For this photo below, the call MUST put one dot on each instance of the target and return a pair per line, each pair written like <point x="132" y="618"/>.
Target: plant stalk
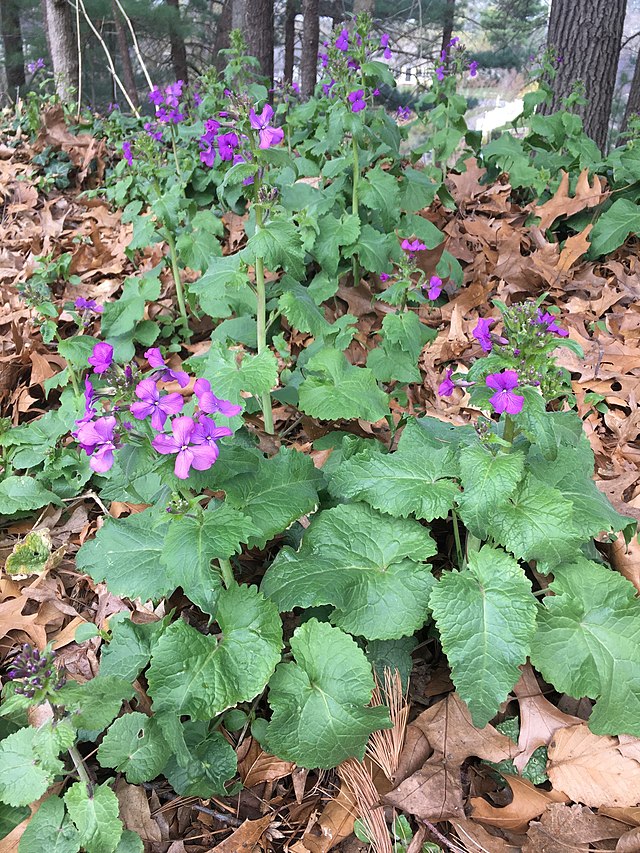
<point x="261" y="320"/>
<point x="78" y="763"/>
<point x="175" y="269"/>
<point x="456" y="536"/>
<point x="508" y="434"/>
<point x="226" y="571"/>
<point x="72" y="374"/>
<point x="355" y="266"/>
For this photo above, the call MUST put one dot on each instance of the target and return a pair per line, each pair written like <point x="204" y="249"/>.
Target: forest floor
<point x="281" y="807"/>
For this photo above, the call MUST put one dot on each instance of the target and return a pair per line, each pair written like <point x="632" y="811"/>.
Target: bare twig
<point x="136" y="47"/>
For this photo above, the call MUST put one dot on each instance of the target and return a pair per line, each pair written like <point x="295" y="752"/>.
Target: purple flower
<point x="443" y="56"/>
<point x="197" y="98"/>
<point x="268" y="135"/>
<point x="504" y="400"/>
<point x="384" y="40"/>
<point x="189" y="452"/>
<point x="226" y="144"/>
<point x="342" y="42"/>
<point x="206" y="433"/>
<point x="153" y="404"/>
<point x="413" y="246"/>
<point x="482" y="333"/>
<point x="295" y="87"/>
<point x="112" y="107"/>
<point x="155" y="359"/>
<point x="32" y="67"/>
<point x="89" y="409"/>
<point x="327" y="87"/>
<point x="375" y="92"/>
<point x="473" y="69"/>
<point x="353" y="65"/>
<point x="88" y="305"/>
<point x="98" y="441"/>
<point x="548" y="320"/>
<point x="173" y="93"/>
<point x="153" y="130"/>
<point x="441" y="73"/>
<point x="324" y="59"/>
<point x="101" y="357"/>
<point x="357" y="100"/>
<point x="454" y="41"/>
<point x="126" y="150"/>
<point x="211" y="127"/>
<point x="210" y="404"/>
<point x="384" y="276"/>
<point x="404" y="112"/>
<point x="446" y="387"/>
<point x="435" y="287"/>
<point x="208" y="155"/>
<point x="156" y="96"/>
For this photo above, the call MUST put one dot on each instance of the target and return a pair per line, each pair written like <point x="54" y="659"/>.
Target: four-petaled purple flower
<point x="191" y="451"/>
<point x="101" y="357"/>
<point x="435" y="287"/>
<point x="412" y="246"/>
<point x="153" y="404"/>
<point x="504" y="400"/>
<point x="441" y="72"/>
<point x="269" y="136"/>
<point x="32" y="67"/>
<point x="88" y="305"/>
<point x="482" y="333"/>
<point x="126" y="150"/>
<point x="97" y="439"/>
<point x="384" y="276"/>
<point x="206" y="433"/>
<point x="403" y="112"/>
<point x="342" y="42"/>
<point x="548" y="320"/>
<point x="227" y="142"/>
<point x="324" y="59"/>
<point x="473" y="69"/>
<point x="446" y="387"/>
<point x="155" y="359"/>
<point x="211" y="404"/>
<point x="357" y="100"/>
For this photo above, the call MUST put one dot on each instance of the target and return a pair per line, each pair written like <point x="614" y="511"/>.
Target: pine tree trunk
<point x="633" y="104"/>
<point x="586" y="36"/>
<point x="63" y="48"/>
<point x="289" y="39"/>
<point x="222" y="33"/>
<point x="259" y="34"/>
<point x="125" y="57"/>
<point x="12" y="43"/>
<point x="447" y="23"/>
<point x="178" y="50"/>
<point x="238" y="14"/>
<point x="364" y="6"/>
<point x="310" y="41"/>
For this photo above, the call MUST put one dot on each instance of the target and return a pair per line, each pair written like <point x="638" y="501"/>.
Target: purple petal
<point x="182" y="428"/>
<point x="171" y="403"/>
<point x="184" y="460"/>
<point x="164" y="444"/>
<point x="158" y="418"/>
<point x="204" y="456"/>
<point x="142" y="410"/>
<point x="154" y="357"/>
<point x="147" y="390"/>
<point x="102" y="459"/>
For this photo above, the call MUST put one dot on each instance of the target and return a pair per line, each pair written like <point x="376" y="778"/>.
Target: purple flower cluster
<point x="34" y="671"/>
<point x="88" y="305"/>
<point x="167" y="102"/>
<point x="268" y="135"/>
<point x="357" y="101"/>
<point x="226" y="144"/>
<point x="32" y="67"/>
<point x="192" y="439"/>
<point x="549" y="321"/>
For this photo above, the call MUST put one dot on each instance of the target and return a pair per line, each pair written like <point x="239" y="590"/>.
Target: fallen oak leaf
<point x="245" y="837"/>
<point x="566" y="829"/>
<point x="477" y="839"/>
<point x="562" y="204"/>
<point x="334" y="824"/>
<point x="432" y="793"/>
<point x="574" y="248"/>
<point x="528" y="803"/>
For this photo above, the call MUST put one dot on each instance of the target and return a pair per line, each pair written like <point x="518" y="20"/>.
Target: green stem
<point x="354" y="206"/>
<point x="72" y="374"/>
<point x="175" y="269"/>
<point x="261" y="319"/>
<point x="175" y="152"/>
<point x="78" y="762"/>
<point x="456" y="536"/>
<point x="226" y="571"/>
<point x="509" y="430"/>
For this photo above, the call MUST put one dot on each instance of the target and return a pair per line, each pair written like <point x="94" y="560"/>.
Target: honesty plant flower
<point x="412" y="246"/>
<point x="473" y="69"/>
<point x="435" y="287"/>
<point x="454" y="41"/>
<point x="404" y="112"/>
<point x="191" y="452"/>
<point x="32" y="67"/>
<point x="206" y="433"/>
<point x="152" y="130"/>
<point x="88" y="305"/>
<point x="384" y="276"/>
<point x="324" y="59"/>
<point x="97" y="439"/>
<point x="357" y="100"/>
<point x="504" y="400"/>
<point x="156" y="96"/>
<point x="441" y="72"/>
<point x="268" y="135"/>
<point x="155" y="359"/>
<point x="153" y="404"/>
<point x="548" y="320"/>
<point x="173" y="93"/>
<point x="101" y="357"/>
<point x="482" y="333"/>
<point x="226" y="144"/>
<point x="446" y="387"/>
<point x="342" y="42"/>
<point x="327" y="87"/>
<point x="210" y="404"/>
<point x="89" y="409"/>
<point x="126" y="150"/>
<point x="384" y="42"/>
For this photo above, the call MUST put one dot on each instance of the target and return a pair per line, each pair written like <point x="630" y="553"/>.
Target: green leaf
<point x="202" y="761"/>
<point x="108" y="557"/>
<point x="130" y="842"/>
<point x="392" y="654"/>
<point x="120" y="317"/>
<point x="418" y="190"/>
<point x="488" y="481"/>
<point x="195" y="674"/>
<point x="334" y="389"/>
<point x="77" y="350"/>
<point x="333" y="233"/>
<point x="95" y="703"/>
<point x="301" y="311"/>
<point x="365" y="564"/>
<point x="10" y="817"/>
<point x="278" y="243"/>
<point x="400" y="483"/>
<point x="486" y="617"/>
<point x="403" y="337"/>
<point x="213" y="289"/>
<point x="587" y="643"/>
<point x="192" y="543"/>
<point x="275" y="493"/>
<point x="50" y="829"/>
<point x="373" y="249"/>
<point x="23" y="779"/>
<point x="95" y="816"/>
<point x="614" y="226"/>
<point x="320" y="714"/>
<point x="129" y="650"/>
<point x="378" y="190"/>
<point x="135" y="746"/>
<point x="23" y="493"/>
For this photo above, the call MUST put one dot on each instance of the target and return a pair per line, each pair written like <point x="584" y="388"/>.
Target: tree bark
<point x="63" y="48"/>
<point x="289" y="39"/>
<point x="364" y="6"/>
<point x="125" y="57"/>
<point x="258" y="30"/>
<point x="633" y="104"/>
<point x="586" y="36"/>
<point x="310" y="42"/>
<point x="447" y="24"/>
<point x="12" y="43"/>
<point x="238" y="14"/>
<point x="222" y="33"/>
<point x="178" y="50"/>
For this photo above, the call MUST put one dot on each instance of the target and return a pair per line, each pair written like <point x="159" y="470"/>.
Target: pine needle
<point x="367" y="802"/>
<point x="384" y="746"/>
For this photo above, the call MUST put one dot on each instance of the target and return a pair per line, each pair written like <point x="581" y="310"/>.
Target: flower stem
<point x="509" y="430"/>
<point x="175" y="152"/>
<point x="226" y="571"/>
<point x="261" y="319"/>
<point x="175" y="269"/>
<point x="355" y="266"/>
<point x="456" y="536"/>
<point x="72" y="374"/>
<point x="78" y="762"/>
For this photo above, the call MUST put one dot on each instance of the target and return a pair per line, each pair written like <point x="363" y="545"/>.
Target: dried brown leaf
<point x="566" y="829"/>
<point x="245" y="837"/>
<point x="528" y="802"/>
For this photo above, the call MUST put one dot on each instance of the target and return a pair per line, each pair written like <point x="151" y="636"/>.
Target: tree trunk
<point x="63" y="48"/>
<point x="447" y="24"/>
<point x="586" y="36"/>
<point x="310" y="41"/>
<point x="258" y="29"/>
<point x="289" y="39"/>
<point x="125" y="57"/>
<point x="633" y="104"/>
<point x="12" y="43"/>
<point x="364" y="6"/>
<point x="222" y="33"/>
<point x="238" y="14"/>
<point x="178" y="50"/>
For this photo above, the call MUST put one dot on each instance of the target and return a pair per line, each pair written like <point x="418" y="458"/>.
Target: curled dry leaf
<point x="562" y="204"/>
<point x="567" y="829"/>
<point x="245" y="837"/>
<point x="476" y="839"/>
<point x="334" y="824"/>
<point x="258" y="766"/>
<point x="591" y="769"/>
<point x="626" y="559"/>
<point x="135" y="812"/>
<point x="528" y="803"/>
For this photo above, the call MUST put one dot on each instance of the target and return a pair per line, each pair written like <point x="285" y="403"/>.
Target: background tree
<point x="511" y="27"/>
<point x="633" y="102"/>
<point x="123" y="49"/>
<point x="63" y="48"/>
<point x="258" y="30"/>
<point x="310" y="42"/>
<point x="586" y="36"/>
<point x="12" y="44"/>
<point x="289" y="39"/>
<point x="178" y="49"/>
